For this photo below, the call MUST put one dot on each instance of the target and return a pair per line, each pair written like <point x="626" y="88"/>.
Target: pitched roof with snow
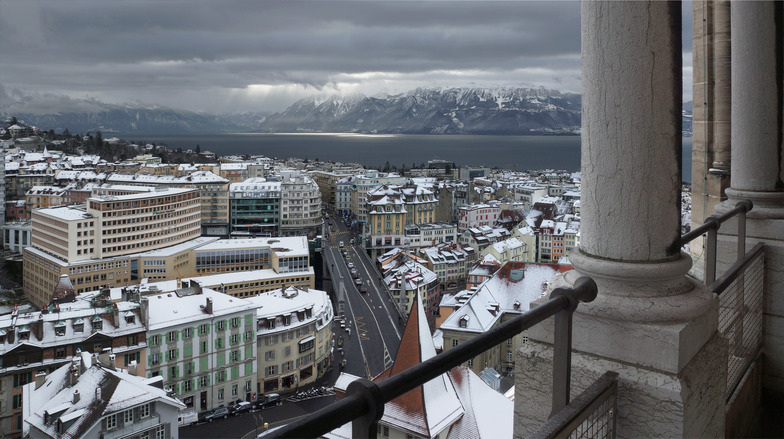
<point x="511" y="289"/>
<point x="119" y="391"/>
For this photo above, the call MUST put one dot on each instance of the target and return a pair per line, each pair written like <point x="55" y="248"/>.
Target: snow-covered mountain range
<point x="436" y="111"/>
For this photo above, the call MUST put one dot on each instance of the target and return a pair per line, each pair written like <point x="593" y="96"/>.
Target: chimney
<point x="40" y="379"/>
<point x="38" y="327"/>
<point x="75" y="396"/>
<point x="116" y="313"/>
<point x="112" y="359"/>
<point x="98" y="393"/>
<point x="144" y="310"/>
<point x="208" y="309"/>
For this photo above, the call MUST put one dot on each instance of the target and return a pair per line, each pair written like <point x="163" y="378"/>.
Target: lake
<point x="522" y="152"/>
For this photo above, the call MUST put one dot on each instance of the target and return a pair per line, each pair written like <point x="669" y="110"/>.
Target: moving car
<point x="363" y="289"/>
<point x="358" y="282"/>
<point x="210" y="415"/>
<point x="350" y="264"/>
<point x="341" y="244"/>
<point x="268" y="400"/>
<point x="240" y="408"/>
<point x="354" y="273"/>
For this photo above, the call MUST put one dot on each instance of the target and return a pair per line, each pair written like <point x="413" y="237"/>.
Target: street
<point x="372" y="318"/>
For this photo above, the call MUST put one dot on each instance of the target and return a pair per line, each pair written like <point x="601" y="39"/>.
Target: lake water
<point x="524" y="152"/>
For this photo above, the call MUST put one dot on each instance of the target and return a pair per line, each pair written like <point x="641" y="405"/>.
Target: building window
<point x="221" y="325"/>
<point x="155" y="358"/>
<point x="170" y="337"/>
<point x="160" y="433"/>
<point x="235" y="322"/>
<point x="172" y="354"/>
<point x="187" y="333"/>
<point x="235" y="338"/>
<point x="59" y="352"/>
<point x="155" y="340"/>
<point x="509" y="357"/>
<point x="128" y="417"/>
<point x="471" y="363"/>
<point x="203" y="329"/>
<point x="144" y="411"/>
<point x="234" y="390"/>
<point x="203" y="381"/>
<point x="188" y="386"/>
<point x="173" y="372"/>
<point x="454" y="343"/>
<point x="220" y="394"/>
<point x="111" y="422"/>
<point x="235" y="356"/>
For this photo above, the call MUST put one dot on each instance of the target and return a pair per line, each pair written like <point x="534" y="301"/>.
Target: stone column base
<point x="651" y="403"/>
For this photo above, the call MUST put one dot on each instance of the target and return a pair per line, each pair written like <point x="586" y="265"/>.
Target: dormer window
<point x="464" y="322"/>
<point x="130" y="317"/>
<point x="24" y="333"/>
<point x="78" y="325"/>
<point x="287" y="319"/>
<point x="97" y="323"/>
<point x="59" y="328"/>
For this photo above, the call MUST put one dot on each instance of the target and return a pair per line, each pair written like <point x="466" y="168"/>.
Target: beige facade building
<point x="294" y="337"/>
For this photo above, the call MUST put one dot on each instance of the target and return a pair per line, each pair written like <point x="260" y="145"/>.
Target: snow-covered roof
<point x="171" y="309"/>
<point x="511" y="289"/>
<point x="312" y="306"/>
<point x="118" y="391"/>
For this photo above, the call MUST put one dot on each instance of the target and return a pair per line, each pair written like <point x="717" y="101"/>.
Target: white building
<point x="476" y="215"/>
<point x="80" y="400"/>
<point x="202" y="343"/>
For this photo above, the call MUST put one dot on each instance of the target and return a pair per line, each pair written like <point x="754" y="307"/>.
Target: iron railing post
<point x="365" y="426"/>
<point x="742" y="227"/>
<point x="584" y="290"/>
<point x="710" y="250"/>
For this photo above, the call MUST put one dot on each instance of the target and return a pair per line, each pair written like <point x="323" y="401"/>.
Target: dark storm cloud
<point x="178" y="49"/>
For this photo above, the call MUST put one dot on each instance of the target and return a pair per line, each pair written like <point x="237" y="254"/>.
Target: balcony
<point x="593" y="413"/>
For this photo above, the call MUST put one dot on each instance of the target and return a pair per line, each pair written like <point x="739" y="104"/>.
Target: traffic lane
<point x="383" y="324"/>
<point x="379" y="296"/>
<point x="377" y="350"/>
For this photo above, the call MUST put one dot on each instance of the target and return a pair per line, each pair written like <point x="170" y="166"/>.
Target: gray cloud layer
<point x="261" y="55"/>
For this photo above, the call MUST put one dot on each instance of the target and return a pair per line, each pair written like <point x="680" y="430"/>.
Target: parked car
<point x="268" y="400"/>
<point x="240" y="408"/>
<point x="187" y="417"/>
<point x="210" y="415"/>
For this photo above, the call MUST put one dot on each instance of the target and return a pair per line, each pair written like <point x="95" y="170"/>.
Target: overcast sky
<point x="229" y="56"/>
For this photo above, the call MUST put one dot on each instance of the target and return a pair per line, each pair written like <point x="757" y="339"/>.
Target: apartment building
<point x="300" y="205"/>
<point x="213" y="190"/>
<point x="87" y="399"/>
<point x="294" y="337"/>
<point x="108" y="227"/>
<point x="505" y="295"/>
<point x="40" y="342"/>
<point x="476" y="215"/>
<point x="202" y="343"/>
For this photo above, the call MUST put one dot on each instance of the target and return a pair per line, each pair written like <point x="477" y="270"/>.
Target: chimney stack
<point x="75" y="396"/>
<point x="40" y="379"/>
<point x="145" y="310"/>
<point x="98" y="393"/>
<point x="208" y="309"/>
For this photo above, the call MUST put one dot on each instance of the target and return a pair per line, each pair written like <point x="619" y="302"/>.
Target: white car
<point x="341" y="244"/>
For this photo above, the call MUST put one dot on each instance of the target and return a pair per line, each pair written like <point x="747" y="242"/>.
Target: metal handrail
<point x="364" y="401"/>
<point x="711" y="227"/>
<point x="736" y="270"/>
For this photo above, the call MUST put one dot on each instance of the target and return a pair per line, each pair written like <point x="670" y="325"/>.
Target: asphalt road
<point x="372" y="317"/>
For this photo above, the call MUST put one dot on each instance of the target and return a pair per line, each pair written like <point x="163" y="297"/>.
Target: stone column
<point x="650" y="322"/>
<point x="757" y="161"/>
